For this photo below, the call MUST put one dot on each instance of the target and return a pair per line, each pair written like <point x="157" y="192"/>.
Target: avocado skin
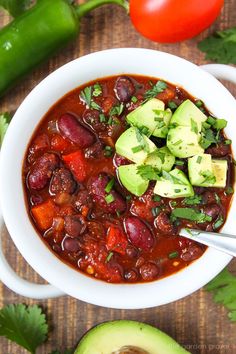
<point x="109" y="337"/>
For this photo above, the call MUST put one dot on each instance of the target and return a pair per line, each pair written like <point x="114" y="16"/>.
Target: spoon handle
<point x="222" y="242"/>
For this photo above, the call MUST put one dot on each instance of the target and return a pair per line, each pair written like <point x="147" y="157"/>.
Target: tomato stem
<point x="90" y="5"/>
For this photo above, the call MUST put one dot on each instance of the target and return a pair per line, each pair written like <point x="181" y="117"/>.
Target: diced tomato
<point x="41" y="142"/>
<point x="44" y="213"/>
<point x="77" y="164"/>
<point x="166" y="95"/>
<point x="116" y="240"/>
<point x="66" y="210"/>
<point x="58" y="143"/>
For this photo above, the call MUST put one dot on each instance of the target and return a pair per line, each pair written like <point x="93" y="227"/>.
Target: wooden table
<point x="194" y="321"/>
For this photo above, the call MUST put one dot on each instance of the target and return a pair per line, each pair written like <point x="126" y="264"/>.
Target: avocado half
<point x="127" y="337"/>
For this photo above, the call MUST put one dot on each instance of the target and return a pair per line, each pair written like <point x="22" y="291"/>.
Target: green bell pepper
<point x="38" y="33"/>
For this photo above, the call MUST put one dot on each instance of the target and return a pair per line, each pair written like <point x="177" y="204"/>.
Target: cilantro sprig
<point x="23" y="325"/>
<point x="221" y="46"/>
<point x="190" y="214"/>
<point x="159" y="87"/>
<point x="223" y="288"/>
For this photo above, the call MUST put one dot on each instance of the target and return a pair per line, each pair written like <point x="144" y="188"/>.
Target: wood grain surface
<point x="194" y="321"/>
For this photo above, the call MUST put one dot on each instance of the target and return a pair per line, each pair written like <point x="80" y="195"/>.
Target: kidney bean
<point x="138" y="233"/>
<point x="70" y="244"/>
<point x="96" y="187"/>
<point x="164" y="225"/>
<point x="193" y="252"/>
<point x="62" y="181"/>
<point x="208" y="197"/>
<point x="83" y="198"/>
<point x="124" y="89"/>
<point x="218" y="150"/>
<point x="94" y="151"/>
<point x="42" y="171"/>
<point x="131" y="252"/>
<point x="131" y="275"/>
<point x="149" y="271"/>
<point x="92" y="118"/>
<point x="213" y="210"/>
<point x="120" y="160"/>
<point x="70" y="128"/>
<point x="75" y="225"/>
<point x="36" y="199"/>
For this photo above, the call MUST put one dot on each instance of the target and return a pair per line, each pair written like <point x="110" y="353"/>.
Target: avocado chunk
<point x="207" y="172"/>
<point x="131" y="180"/>
<point x="151" y="116"/>
<point x="174" y="184"/>
<point x="134" y="145"/>
<point x="161" y="159"/>
<point x="188" y="115"/>
<point x="183" y="142"/>
<point x="117" y="336"/>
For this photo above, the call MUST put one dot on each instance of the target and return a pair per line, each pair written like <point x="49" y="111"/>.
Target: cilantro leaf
<point x="148" y="172"/>
<point x="23" y="325"/>
<point x="15" y="7"/>
<point x="195" y="200"/>
<point x="190" y="214"/>
<point x="224" y="290"/>
<point x="220" y="47"/>
<point x="159" y="87"/>
<point x="4" y="123"/>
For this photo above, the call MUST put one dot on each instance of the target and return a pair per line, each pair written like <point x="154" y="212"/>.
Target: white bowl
<point x="101" y="64"/>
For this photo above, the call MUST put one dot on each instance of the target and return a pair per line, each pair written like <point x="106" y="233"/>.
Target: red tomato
<point x="169" y="21"/>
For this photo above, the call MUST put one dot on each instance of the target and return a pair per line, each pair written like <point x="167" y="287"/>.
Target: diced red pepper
<point x="77" y="164"/>
<point x="44" y="213"/>
<point x="58" y="143"/>
<point x="116" y="240"/>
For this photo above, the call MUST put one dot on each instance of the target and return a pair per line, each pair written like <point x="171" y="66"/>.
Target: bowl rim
<point x="44" y="262"/>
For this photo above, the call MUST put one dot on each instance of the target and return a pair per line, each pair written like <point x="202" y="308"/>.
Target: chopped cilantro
<point x="172" y="105"/>
<point x="220" y="124"/>
<point x="110" y="255"/>
<point x="86" y="95"/>
<point x="229" y="191"/>
<point x="195" y="200"/>
<point x="156" y="198"/>
<point x="96" y="106"/>
<point x="102" y="118"/>
<point x="191" y="214"/>
<point x="228" y="142"/>
<point x="209" y="177"/>
<point x="97" y="90"/>
<point x="134" y="99"/>
<point x="109" y="198"/>
<point x="137" y="149"/>
<point x="178" y="142"/>
<point x="148" y="172"/>
<point x="159" y="87"/>
<point x="218" y="223"/>
<point x="179" y="163"/>
<point x="117" y="110"/>
<point x="174" y="254"/>
<point x="110" y="185"/>
<point x="198" y="103"/>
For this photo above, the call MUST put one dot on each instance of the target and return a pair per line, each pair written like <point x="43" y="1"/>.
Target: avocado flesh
<point x="174" y="185"/>
<point x="131" y="180"/>
<point x="154" y="159"/>
<point x="146" y="115"/>
<point x="201" y="166"/>
<point x="129" y="140"/>
<point x="187" y="114"/>
<point x="183" y="142"/>
<point x="111" y="337"/>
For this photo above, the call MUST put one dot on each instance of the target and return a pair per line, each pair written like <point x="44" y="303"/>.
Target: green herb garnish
<point x="159" y="87"/>
<point x="156" y="198"/>
<point x="174" y="254"/>
<point x="134" y="99"/>
<point x="23" y="325"/>
<point x="117" y="110"/>
<point x="179" y="163"/>
<point x="109" y="198"/>
<point x="228" y="142"/>
<point x="221" y="46"/>
<point x="178" y="142"/>
<point x="209" y="177"/>
<point x="137" y="149"/>
<point x="229" y="191"/>
<point x="199" y="159"/>
<point x="220" y="124"/>
<point x="172" y="105"/>
<point x="102" y="118"/>
<point x="97" y="90"/>
<point x="195" y="200"/>
<point x="218" y="223"/>
<point x="86" y="95"/>
<point x="191" y="214"/>
<point x="110" y="255"/>
<point x="110" y="185"/>
<point x="198" y="103"/>
<point x="148" y="172"/>
<point x="224" y="291"/>
<point x="155" y="211"/>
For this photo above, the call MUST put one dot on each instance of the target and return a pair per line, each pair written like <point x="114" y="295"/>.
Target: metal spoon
<point x="220" y="241"/>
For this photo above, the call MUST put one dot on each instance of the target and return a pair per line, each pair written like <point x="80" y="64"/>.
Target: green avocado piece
<point x="188" y="115"/>
<point x="183" y="142"/>
<point x="153" y="116"/>
<point x="131" y="180"/>
<point x="207" y="172"/>
<point x="134" y="145"/>
<point x="161" y="159"/>
<point x="122" y="336"/>
<point x="174" y="184"/>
